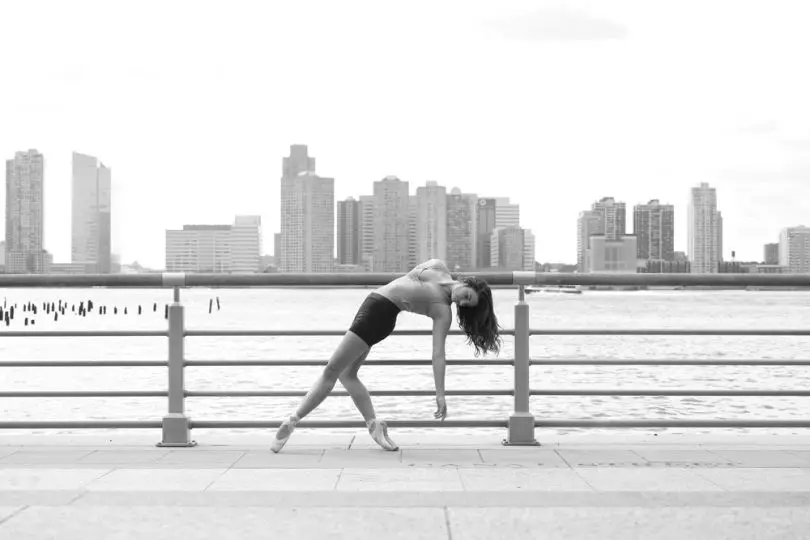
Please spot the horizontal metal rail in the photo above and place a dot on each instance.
(478, 392)
(85, 333)
(667, 332)
(366, 279)
(82, 424)
(83, 363)
(344, 424)
(396, 362)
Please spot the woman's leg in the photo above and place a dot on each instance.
(362, 400)
(349, 349)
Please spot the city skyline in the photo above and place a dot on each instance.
(194, 128)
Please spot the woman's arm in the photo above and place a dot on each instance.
(442, 316)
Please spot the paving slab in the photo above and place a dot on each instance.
(410, 479)
(540, 479)
(599, 457)
(526, 456)
(601, 523)
(657, 457)
(444, 457)
(80, 523)
(369, 458)
(276, 480)
(7, 511)
(46, 455)
(758, 479)
(119, 457)
(201, 457)
(293, 458)
(648, 479)
(48, 479)
(155, 480)
(762, 458)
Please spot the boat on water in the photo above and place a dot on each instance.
(563, 289)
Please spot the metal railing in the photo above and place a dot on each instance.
(176, 425)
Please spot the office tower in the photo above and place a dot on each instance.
(413, 243)
(276, 247)
(794, 249)
(348, 231)
(512, 248)
(199, 248)
(654, 228)
(431, 222)
(307, 215)
(462, 226)
(589, 223)
(771, 255)
(506, 213)
(91, 226)
(390, 225)
(25, 253)
(219, 249)
(486, 214)
(367, 232)
(246, 244)
(705, 230)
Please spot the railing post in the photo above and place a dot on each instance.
(176, 425)
(521, 422)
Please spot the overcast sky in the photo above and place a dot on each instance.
(553, 104)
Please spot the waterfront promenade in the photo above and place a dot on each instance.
(436, 487)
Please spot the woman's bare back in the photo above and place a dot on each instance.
(421, 288)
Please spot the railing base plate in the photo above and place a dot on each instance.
(521, 430)
(177, 445)
(506, 442)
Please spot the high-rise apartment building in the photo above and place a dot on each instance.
(348, 232)
(367, 231)
(771, 254)
(486, 214)
(25, 226)
(391, 200)
(614, 216)
(431, 222)
(589, 223)
(91, 224)
(705, 241)
(506, 214)
(462, 224)
(307, 215)
(794, 249)
(413, 231)
(654, 228)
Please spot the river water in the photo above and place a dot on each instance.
(334, 309)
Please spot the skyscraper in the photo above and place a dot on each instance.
(486, 214)
(794, 249)
(348, 231)
(25, 225)
(771, 255)
(91, 230)
(390, 225)
(705, 230)
(307, 215)
(654, 228)
(367, 231)
(614, 217)
(589, 223)
(462, 226)
(431, 222)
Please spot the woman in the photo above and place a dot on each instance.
(428, 290)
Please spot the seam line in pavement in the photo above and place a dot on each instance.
(15, 513)
(447, 524)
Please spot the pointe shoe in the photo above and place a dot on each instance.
(279, 442)
(379, 433)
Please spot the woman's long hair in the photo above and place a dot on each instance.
(479, 322)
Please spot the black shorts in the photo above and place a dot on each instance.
(375, 320)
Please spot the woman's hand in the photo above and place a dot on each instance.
(441, 408)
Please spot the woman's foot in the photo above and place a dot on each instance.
(284, 432)
(379, 432)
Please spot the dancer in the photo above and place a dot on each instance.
(427, 290)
